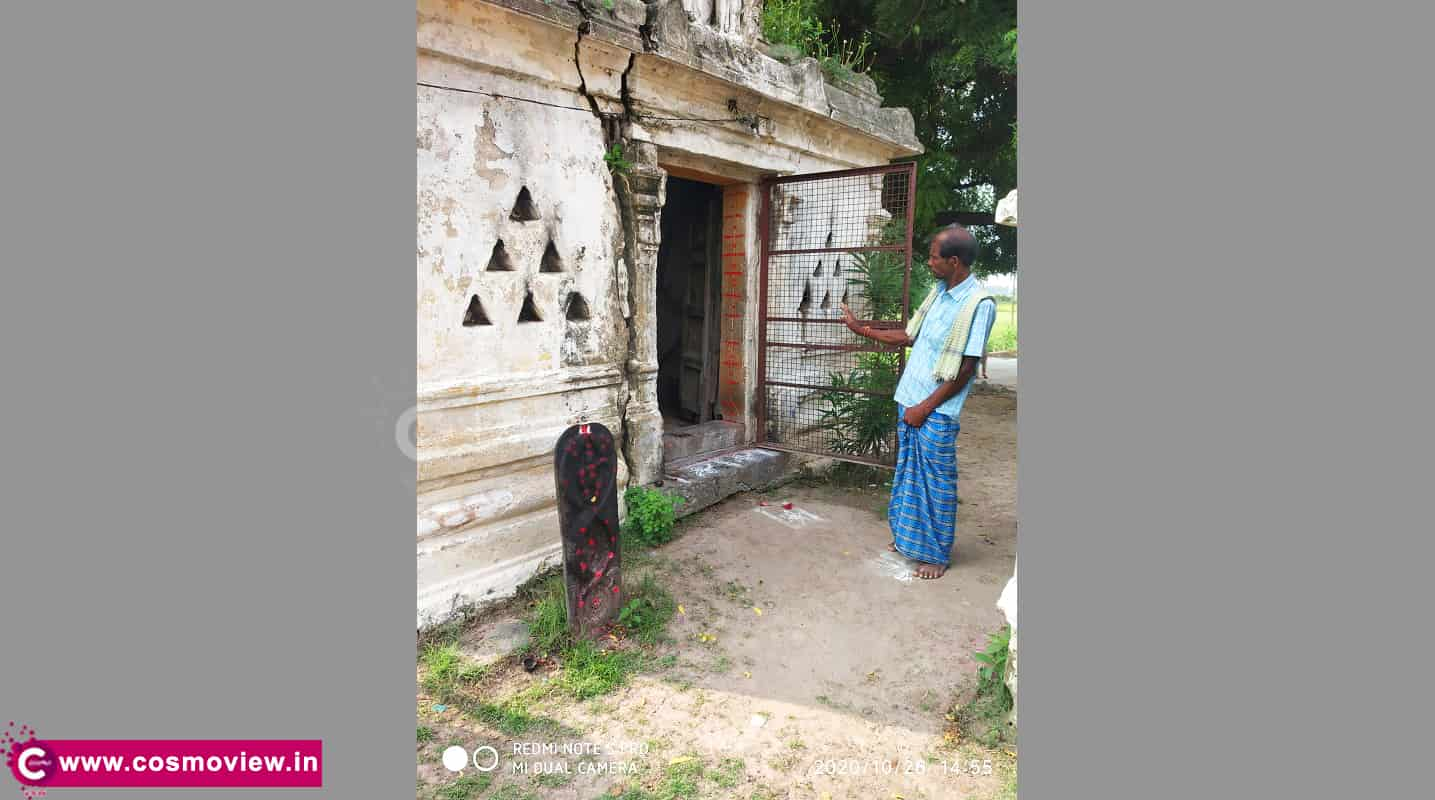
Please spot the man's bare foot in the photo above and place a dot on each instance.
(929, 571)
(892, 546)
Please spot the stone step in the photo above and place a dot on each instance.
(706, 480)
(695, 440)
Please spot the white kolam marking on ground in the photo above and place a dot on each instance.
(795, 518)
(893, 565)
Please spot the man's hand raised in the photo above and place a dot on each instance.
(851, 321)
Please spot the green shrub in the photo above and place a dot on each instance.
(651, 515)
(991, 674)
(793, 23)
(858, 423)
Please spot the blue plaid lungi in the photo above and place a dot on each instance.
(923, 511)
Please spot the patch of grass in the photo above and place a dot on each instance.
(590, 672)
(722, 664)
(548, 624)
(784, 762)
(729, 772)
(440, 661)
(464, 787)
(513, 715)
(983, 719)
(445, 671)
(513, 792)
(425, 733)
(680, 780)
(1003, 335)
(648, 610)
(553, 780)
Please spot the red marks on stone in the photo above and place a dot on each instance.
(598, 574)
(590, 542)
(610, 554)
(597, 601)
(580, 603)
(582, 530)
(615, 589)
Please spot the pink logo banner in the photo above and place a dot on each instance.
(167, 763)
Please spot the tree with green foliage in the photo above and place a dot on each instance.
(954, 64)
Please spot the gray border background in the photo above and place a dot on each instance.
(1221, 400)
(209, 335)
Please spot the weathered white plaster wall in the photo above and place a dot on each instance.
(494, 398)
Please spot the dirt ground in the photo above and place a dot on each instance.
(806, 662)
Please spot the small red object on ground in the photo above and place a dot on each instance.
(787, 506)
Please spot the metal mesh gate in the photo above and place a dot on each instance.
(830, 238)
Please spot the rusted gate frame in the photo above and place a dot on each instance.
(765, 233)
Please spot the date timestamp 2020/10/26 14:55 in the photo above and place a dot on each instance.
(906, 766)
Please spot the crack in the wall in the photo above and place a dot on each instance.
(612, 133)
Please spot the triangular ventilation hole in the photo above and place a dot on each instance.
(529, 312)
(806, 301)
(577, 308)
(817, 271)
(499, 261)
(551, 262)
(475, 314)
(523, 210)
(829, 239)
(826, 300)
(836, 268)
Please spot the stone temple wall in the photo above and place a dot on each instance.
(520, 322)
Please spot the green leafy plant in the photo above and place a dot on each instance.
(795, 24)
(992, 672)
(651, 515)
(615, 161)
(858, 412)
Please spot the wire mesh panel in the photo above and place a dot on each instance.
(828, 239)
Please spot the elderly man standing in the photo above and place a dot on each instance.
(948, 335)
